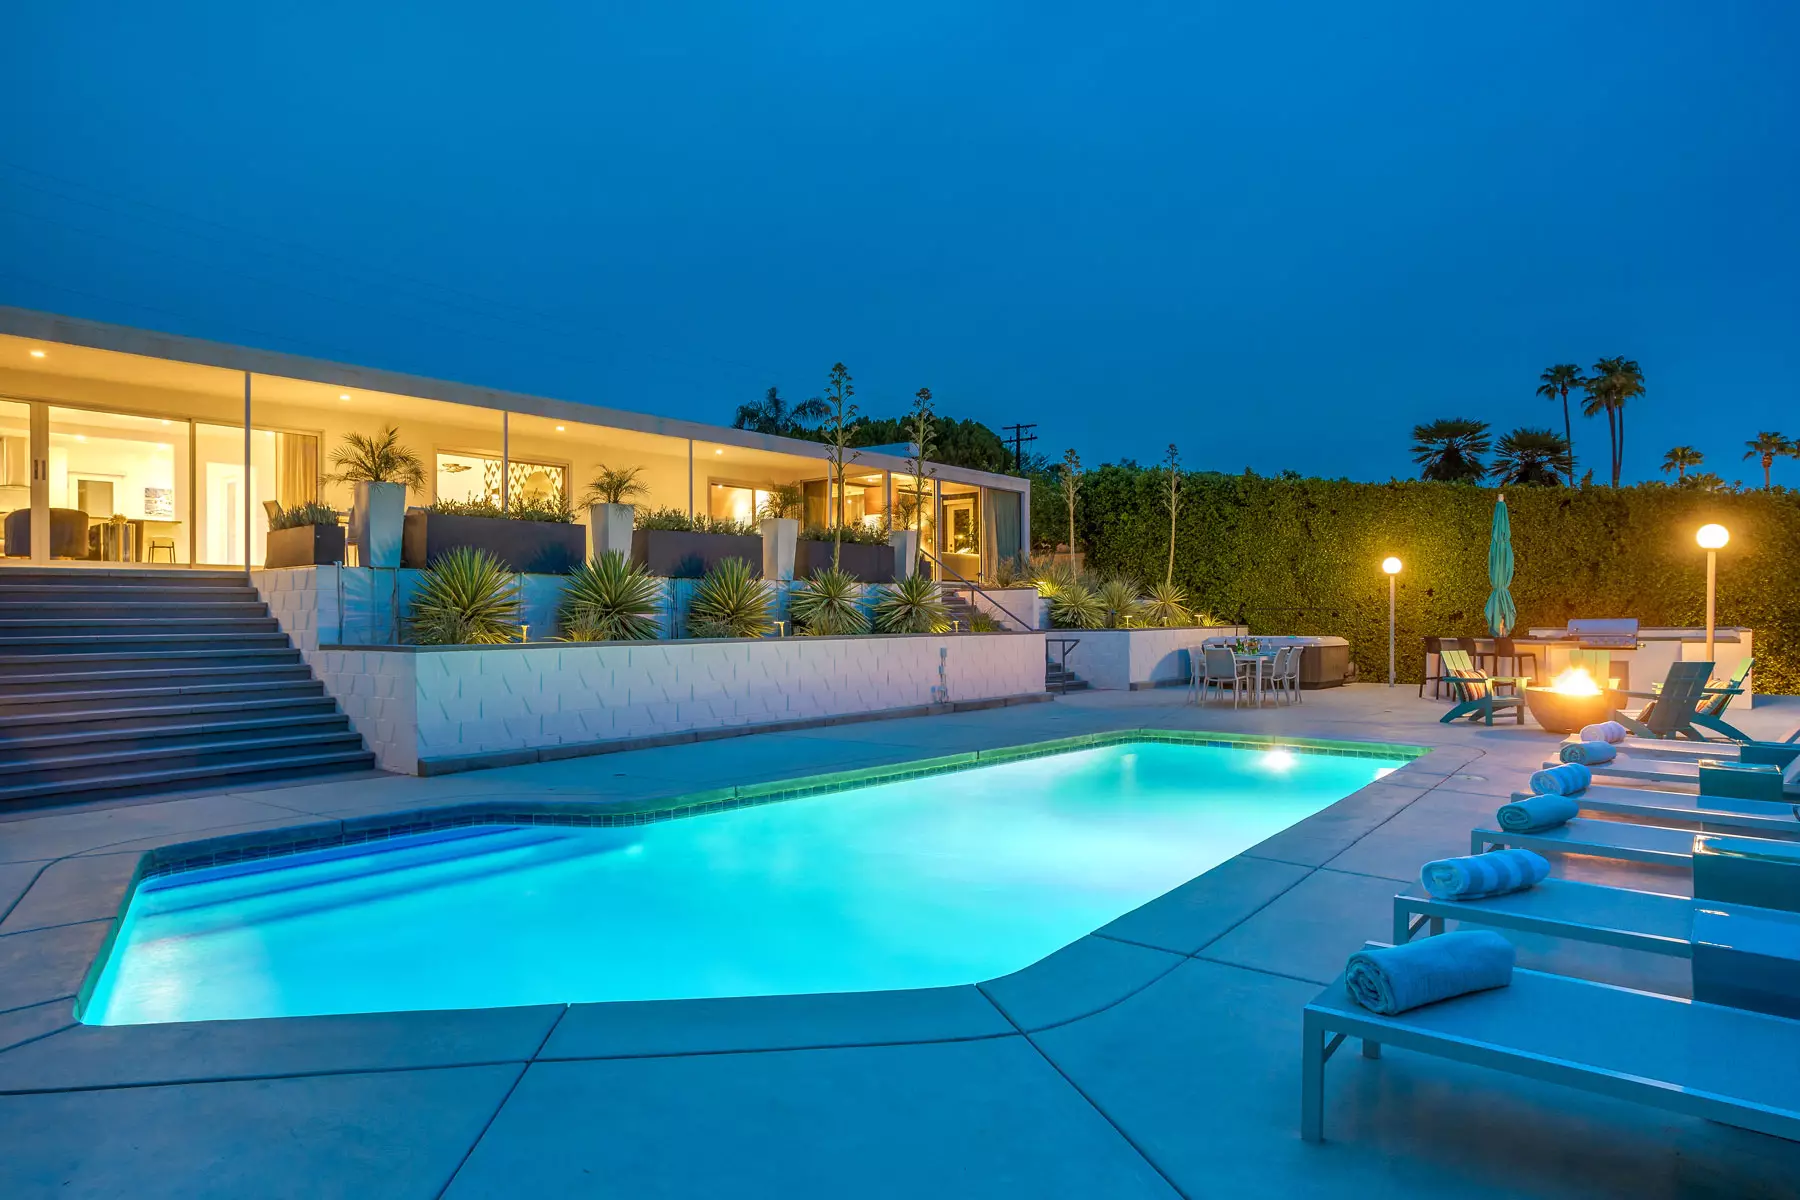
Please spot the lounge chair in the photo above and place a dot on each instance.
(1657, 845)
(1678, 708)
(1722, 813)
(1677, 771)
(1479, 695)
(1631, 920)
(1702, 1060)
(1779, 753)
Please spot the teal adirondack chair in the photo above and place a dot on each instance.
(1683, 705)
(1479, 695)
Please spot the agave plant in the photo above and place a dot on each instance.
(1054, 576)
(615, 485)
(784, 500)
(467, 597)
(1075, 606)
(828, 603)
(379, 459)
(1167, 606)
(730, 598)
(914, 605)
(609, 600)
(1122, 601)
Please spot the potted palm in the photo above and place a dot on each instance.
(306, 535)
(610, 510)
(380, 470)
(780, 529)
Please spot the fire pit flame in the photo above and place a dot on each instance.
(1575, 682)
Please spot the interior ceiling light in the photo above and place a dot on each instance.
(37, 354)
(718, 451)
(559, 429)
(343, 395)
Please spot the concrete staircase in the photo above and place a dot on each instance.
(122, 682)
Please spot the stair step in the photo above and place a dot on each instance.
(130, 574)
(221, 750)
(136, 782)
(67, 665)
(32, 691)
(161, 712)
(20, 746)
(57, 593)
(133, 607)
(59, 627)
(141, 641)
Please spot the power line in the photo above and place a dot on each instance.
(1019, 438)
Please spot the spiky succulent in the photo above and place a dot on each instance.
(731, 599)
(466, 597)
(1167, 606)
(1075, 606)
(1122, 601)
(829, 603)
(913, 605)
(609, 600)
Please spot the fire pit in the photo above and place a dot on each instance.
(1572, 700)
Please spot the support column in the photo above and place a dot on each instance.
(505, 460)
(690, 479)
(247, 488)
(39, 452)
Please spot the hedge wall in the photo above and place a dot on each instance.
(1303, 556)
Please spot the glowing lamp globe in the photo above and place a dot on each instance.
(1712, 537)
(1391, 565)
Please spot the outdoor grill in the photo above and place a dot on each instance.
(1603, 633)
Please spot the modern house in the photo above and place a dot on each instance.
(124, 445)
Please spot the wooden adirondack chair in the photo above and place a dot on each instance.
(1479, 695)
(1680, 704)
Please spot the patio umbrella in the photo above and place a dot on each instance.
(1500, 611)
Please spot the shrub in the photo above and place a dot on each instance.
(1167, 606)
(1075, 606)
(855, 534)
(984, 622)
(729, 597)
(309, 513)
(677, 519)
(1122, 601)
(609, 600)
(1017, 571)
(378, 459)
(465, 598)
(829, 603)
(913, 605)
(555, 510)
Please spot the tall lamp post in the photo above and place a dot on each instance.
(1711, 538)
(1391, 565)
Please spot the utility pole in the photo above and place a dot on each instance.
(1020, 435)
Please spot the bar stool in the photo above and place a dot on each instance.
(1433, 647)
(1504, 649)
(160, 545)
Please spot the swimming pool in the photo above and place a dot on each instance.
(936, 880)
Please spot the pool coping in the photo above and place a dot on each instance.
(264, 844)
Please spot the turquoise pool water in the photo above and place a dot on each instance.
(944, 879)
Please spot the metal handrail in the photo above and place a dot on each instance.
(1064, 645)
(974, 587)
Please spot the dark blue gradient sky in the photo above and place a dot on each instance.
(1278, 234)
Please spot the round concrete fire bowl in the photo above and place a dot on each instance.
(1567, 712)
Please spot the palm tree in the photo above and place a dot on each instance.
(1450, 450)
(1766, 446)
(772, 414)
(1615, 381)
(1533, 456)
(1680, 459)
(1555, 382)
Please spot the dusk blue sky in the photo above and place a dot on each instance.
(1276, 234)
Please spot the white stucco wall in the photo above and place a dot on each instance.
(422, 702)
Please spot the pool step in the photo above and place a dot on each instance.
(118, 682)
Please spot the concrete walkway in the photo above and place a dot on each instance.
(1157, 1057)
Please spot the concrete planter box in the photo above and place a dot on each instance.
(905, 543)
(376, 520)
(1122, 659)
(305, 546)
(610, 526)
(864, 563)
(683, 554)
(427, 710)
(780, 536)
(537, 547)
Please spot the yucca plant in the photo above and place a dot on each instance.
(1053, 576)
(984, 622)
(467, 597)
(615, 485)
(1075, 606)
(1167, 606)
(609, 600)
(828, 604)
(914, 605)
(378, 459)
(309, 513)
(1122, 601)
(730, 599)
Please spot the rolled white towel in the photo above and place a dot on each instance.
(1610, 732)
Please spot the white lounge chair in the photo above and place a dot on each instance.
(1759, 817)
(1702, 1060)
(1589, 912)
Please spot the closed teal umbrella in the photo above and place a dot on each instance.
(1500, 611)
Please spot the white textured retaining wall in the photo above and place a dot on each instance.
(1119, 659)
(413, 703)
(1015, 608)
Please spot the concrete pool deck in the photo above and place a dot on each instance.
(1158, 1056)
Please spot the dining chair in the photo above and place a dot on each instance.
(1223, 670)
(1196, 659)
(1278, 669)
(1292, 676)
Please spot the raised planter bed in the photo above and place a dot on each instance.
(536, 547)
(683, 554)
(863, 562)
(305, 546)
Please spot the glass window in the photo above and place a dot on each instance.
(15, 476)
(466, 477)
(129, 476)
(735, 502)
